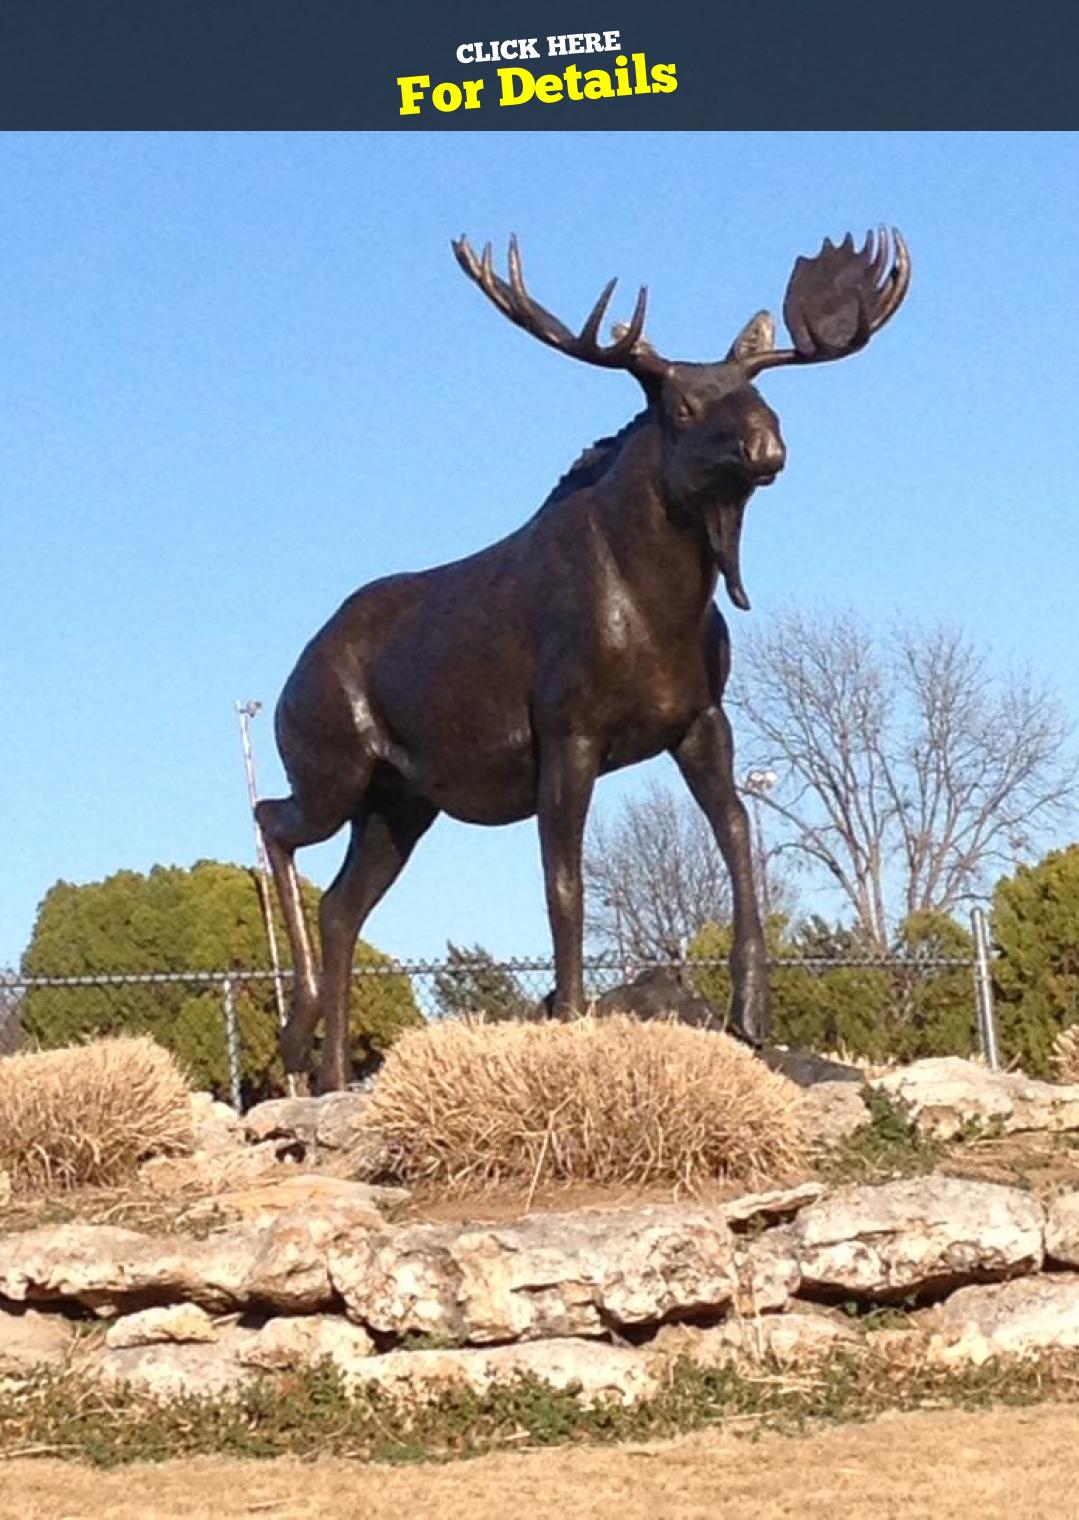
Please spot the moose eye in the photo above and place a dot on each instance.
(685, 411)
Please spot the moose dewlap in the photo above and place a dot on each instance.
(90, 1113)
(465, 1105)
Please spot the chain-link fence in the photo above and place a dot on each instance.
(223, 1024)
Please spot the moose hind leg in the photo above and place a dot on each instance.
(384, 835)
(705, 757)
(286, 826)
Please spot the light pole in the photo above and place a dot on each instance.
(758, 784)
(245, 711)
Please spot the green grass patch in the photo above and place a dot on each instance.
(888, 1146)
(312, 1414)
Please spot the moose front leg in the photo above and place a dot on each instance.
(706, 759)
(568, 768)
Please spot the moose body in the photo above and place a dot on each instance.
(502, 685)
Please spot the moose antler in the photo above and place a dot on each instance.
(628, 351)
(838, 300)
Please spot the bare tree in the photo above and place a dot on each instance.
(905, 768)
(654, 875)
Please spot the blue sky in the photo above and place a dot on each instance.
(243, 375)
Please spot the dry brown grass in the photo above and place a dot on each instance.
(467, 1106)
(1066, 1054)
(944, 1465)
(90, 1113)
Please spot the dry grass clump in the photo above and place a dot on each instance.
(1065, 1055)
(465, 1105)
(90, 1113)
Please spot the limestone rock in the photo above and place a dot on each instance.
(312, 1192)
(290, 1267)
(1062, 1229)
(111, 1270)
(768, 1271)
(544, 1276)
(597, 1372)
(104, 1267)
(214, 1126)
(289, 1342)
(881, 1242)
(293, 1120)
(834, 1110)
(30, 1339)
(173, 1323)
(174, 1371)
(212, 1170)
(799, 1335)
(1011, 1319)
(769, 1208)
(5, 1187)
(946, 1095)
(339, 1123)
(332, 1122)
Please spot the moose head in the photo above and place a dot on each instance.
(722, 439)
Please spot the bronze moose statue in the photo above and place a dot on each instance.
(502, 685)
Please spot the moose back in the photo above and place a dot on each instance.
(502, 685)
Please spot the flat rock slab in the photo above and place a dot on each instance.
(173, 1371)
(266, 1201)
(103, 1267)
(332, 1122)
(30, 1339)
(110, 1270)
(1062, 1229)
(294, 1342)
(1011, 1319)
(214, 1125)
(947, 1096)
(770, 1207)
(927, 1234)
(833, 1111)
(212, 1170)
(171, 1324)
(800, 1335)
(598, 1373)
(549, 1275)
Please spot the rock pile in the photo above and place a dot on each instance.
(601, 1298)
(299, 1267)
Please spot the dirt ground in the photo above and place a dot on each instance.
(925, 1466)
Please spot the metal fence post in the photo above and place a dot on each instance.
(983, 990)
(232, 1041)
(245, 711)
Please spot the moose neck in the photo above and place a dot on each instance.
(663, 557)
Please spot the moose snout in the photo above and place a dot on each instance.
(764, 453)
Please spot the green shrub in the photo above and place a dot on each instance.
(870, 1012)
(207, 918)
(1036, 970)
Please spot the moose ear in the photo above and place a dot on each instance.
(758, 336)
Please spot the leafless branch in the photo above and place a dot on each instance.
(908, 769)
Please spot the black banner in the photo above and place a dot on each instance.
(593, 65)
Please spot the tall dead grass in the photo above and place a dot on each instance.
(1065, 1055)
(90, 1113)
(465, 1105)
